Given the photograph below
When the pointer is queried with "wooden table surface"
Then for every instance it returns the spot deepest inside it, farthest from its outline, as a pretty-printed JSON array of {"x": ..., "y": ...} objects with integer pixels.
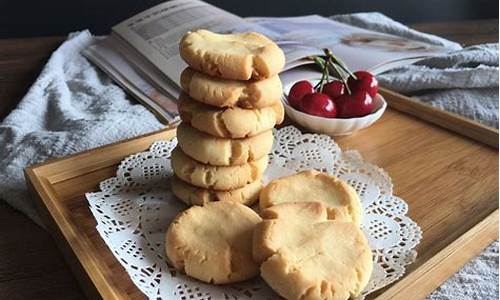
[{"x": 31, "y": 267}]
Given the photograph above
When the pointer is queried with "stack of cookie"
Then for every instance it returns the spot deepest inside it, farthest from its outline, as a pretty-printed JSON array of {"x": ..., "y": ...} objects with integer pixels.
[
  {"x": 307, "y": 242},
  {"x": 230, "y": 102}
]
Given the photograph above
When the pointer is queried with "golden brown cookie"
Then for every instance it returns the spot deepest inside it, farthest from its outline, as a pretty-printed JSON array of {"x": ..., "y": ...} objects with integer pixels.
[
  {"x": 216, "y": 177},
  {"x": 193, "y": 195},
  {"x": 233, "y": 122},
  {"x": 213, "y": 242},
  {"x": 217, "y": 151},
  {"x": 306, "y": 256},
  {"x": 231, "y": 93},
  {"x": 339, "y": 198},
  {"x": 239, "y": 56}
]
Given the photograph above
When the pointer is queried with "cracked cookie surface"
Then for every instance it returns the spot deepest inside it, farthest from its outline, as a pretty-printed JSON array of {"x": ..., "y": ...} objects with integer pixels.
[
  {"x": 213, "y": 243},
  {"x": 193, "y": 195},
  {"x": 306, "y": 256},
  {"x": 231, "y": 93},
  {"x": 217, "y": 151},
  {"x": 239, "y": 56},
  {"x": 232, "y": 122},
  {"x": 216, "y": 177},
  {"x": 339, "y": 198}
]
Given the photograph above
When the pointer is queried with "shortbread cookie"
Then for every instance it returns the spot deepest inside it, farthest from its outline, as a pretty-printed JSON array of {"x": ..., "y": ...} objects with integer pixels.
[
  {"x": 233, "y": 122},
  {"x": 216, "y": 151},
  {"x": 306, "y": 256},
  {"x": 193, "y": 195},
  {"x": 239, "y": 56},
  {"x": 213, "y": 243},
  {"x": 216, "y": 177},
  {"x": 231, "y": 93},
  {"x": 339, "y": 198}
]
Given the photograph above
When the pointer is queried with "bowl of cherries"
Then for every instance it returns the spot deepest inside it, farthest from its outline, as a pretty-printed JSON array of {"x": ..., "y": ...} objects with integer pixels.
[{"x": 335, "y": 106}]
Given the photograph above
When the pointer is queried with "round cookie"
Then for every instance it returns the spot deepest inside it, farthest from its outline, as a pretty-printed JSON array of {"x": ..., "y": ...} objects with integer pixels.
[
  {"x": 213, "y": 243},
  {"x": 306, "y": 256},
  {"x": 340, "y": 199},
  {"x": 193, "y": 195},
  {"x": 231, "y": 93},
  {"x": 239, "y": 56},
  {"x": 216, "y": 151},
  {"x": 216, "y": 177},
  {"x": 232, "y": 122}
]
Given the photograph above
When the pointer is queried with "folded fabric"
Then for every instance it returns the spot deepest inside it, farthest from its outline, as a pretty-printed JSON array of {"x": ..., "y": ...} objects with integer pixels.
[
  {"x": 378, "y": 22},
  {"x": 71, "y": 107},
  {"x": 464, "y": 81}
]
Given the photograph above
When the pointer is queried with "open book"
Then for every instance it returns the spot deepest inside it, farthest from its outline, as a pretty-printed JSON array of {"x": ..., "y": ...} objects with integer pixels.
[{"x": 142, "y": 53}]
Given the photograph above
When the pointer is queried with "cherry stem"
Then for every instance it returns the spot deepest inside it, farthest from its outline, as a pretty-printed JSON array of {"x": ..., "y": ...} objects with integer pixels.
[
  {"x": 336, "y": 64},
  {"x": 343, "y": 72},
  {"x": 322, "y": 80},
  {"x": 324, "y": 66},
  {"x": 319, "y": 61},
  {"x": 337, "y": 61}
]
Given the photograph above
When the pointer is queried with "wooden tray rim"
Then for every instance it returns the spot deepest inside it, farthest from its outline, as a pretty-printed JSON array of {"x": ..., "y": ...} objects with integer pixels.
[
  {"x": 451, "y": 121},
  {"x": 89, "y": 269},
  {"x": 86, "y": 265}
]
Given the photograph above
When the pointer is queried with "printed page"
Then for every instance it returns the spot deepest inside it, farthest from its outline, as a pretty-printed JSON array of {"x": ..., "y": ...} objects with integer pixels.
[
  {"x": 117, "y": 67},
  {"x": 156, "y": 32},
  {"x": 360, "y": 49},
  {"x": 144, "y": 66}
]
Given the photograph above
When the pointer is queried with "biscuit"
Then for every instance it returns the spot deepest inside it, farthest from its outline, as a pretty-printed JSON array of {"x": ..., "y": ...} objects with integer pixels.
[
  {"x": 216, "y": 177},
  {"x": 231, "y": 93},
  {"x": 233, "y": 122},
  {"x": 213, "y": 243},
  {"x": 306, "y": 256},
  {"x": 193, "y": 195},
  {"x": 239, "y": 56},
  {"x": 339, "y": 198},
  {"x": 217, "y": 151}
]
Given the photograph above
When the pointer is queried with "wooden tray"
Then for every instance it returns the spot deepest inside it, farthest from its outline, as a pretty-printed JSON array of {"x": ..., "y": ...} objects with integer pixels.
[{"x": 449, "y": 181}]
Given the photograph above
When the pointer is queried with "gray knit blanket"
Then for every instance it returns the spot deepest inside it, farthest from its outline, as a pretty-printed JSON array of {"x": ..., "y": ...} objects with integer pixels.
[
  {"x": 464, "y": 82},
  {"x": 73, "y": 106}
]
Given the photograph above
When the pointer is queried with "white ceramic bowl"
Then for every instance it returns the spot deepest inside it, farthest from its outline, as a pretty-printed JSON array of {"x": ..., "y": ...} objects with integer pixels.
[{"x": 332, "y": 126}]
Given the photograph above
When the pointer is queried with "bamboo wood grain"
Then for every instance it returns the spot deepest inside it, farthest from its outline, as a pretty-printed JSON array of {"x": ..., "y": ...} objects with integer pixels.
[
  {"x": 449, "y": 182},
  {"x": 453, "y": 122},
  {"x": 78, "y": 251},
  {"x": 441, "y": 266},
  {"x": 22, "y": 60},
  {"x": 87, "y": 263}
]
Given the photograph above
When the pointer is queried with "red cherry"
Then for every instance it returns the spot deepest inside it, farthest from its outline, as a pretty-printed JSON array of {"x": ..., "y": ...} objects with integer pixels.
[
  {"x": 377, "y": 102},
  {"x": 358, "y": 104},
  {"x": 365, "y": 82},
  {"x": 334, "y": 88},
  {"x": 319, "y": 104},
  {"x": 298, "y": 91}
]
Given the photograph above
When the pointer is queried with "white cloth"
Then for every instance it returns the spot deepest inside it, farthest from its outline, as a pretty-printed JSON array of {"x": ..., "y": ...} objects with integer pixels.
[
  {"x": 464, "y": 82},
  {"x": 73, "y": 106}
]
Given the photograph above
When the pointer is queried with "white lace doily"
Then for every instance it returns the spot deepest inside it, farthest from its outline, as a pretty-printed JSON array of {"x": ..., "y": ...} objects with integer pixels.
[{"x": 133, "y": 211}]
